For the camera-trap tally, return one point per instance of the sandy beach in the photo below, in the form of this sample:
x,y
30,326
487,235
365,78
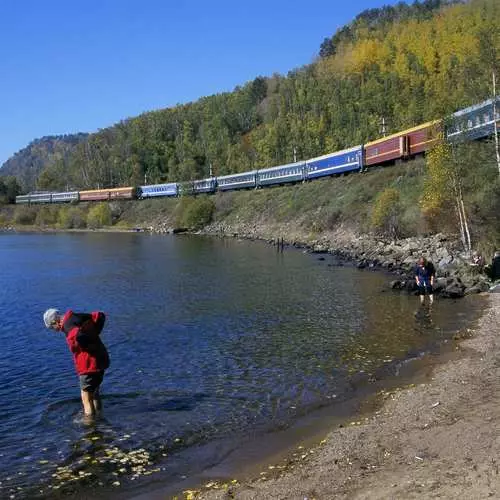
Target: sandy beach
x,y
438,438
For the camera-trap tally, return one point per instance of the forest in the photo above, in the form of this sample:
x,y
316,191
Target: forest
x,y
399,65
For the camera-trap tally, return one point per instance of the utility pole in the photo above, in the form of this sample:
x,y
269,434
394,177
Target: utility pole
x,y
383,127
210,171
294,154
497,150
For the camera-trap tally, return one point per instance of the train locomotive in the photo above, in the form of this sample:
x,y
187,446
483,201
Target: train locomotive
x,y
472,123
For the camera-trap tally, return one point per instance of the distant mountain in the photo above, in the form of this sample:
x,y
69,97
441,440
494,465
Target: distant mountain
x,y
27,164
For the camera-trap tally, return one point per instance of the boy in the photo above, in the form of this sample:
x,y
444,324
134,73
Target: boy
x,y
91,358
425,273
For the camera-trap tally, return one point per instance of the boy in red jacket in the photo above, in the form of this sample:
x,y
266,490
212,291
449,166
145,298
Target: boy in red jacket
x,y
91,358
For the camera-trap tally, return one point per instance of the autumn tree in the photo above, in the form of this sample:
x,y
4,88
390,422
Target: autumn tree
x,y
443,188
385,212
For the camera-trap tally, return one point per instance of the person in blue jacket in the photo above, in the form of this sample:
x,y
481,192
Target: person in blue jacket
x,y
425,274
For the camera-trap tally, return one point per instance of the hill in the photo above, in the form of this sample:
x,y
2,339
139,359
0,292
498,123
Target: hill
x,y
48,153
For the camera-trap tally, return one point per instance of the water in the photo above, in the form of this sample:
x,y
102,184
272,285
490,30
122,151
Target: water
x,y
210,341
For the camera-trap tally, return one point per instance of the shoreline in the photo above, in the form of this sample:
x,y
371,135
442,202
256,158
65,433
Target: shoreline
x,y
438,438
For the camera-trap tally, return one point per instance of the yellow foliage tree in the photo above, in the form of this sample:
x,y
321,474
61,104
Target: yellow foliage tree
x,y
442,187
385,211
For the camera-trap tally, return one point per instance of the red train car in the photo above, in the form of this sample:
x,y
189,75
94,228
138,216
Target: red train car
x,y
126,193
403,144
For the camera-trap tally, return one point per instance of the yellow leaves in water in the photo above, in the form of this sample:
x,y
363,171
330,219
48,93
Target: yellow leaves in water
x,y
138,462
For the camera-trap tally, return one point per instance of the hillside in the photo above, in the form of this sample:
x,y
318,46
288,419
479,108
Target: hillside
x,y
48,153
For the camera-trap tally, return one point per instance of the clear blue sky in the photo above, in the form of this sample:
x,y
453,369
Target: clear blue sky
x,y
70,66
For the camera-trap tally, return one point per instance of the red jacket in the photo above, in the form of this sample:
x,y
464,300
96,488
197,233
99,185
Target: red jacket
x,y
82,335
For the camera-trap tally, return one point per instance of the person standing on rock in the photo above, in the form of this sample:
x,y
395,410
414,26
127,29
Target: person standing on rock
x,y
425,274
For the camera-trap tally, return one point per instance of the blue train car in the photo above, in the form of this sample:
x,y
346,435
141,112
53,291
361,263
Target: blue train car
x,y
474,122
157,190
36,197
335,163
293,172
22,199
204,186
237,181
66,197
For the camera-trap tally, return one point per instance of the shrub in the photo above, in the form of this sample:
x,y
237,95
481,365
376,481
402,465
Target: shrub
x,y
46,216
99,216
385,212
72,217
25,215
194,213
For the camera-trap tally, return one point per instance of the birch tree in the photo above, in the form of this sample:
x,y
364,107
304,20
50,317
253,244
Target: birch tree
x,y
443,185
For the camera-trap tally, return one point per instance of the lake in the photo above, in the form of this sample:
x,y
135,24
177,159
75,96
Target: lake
x,y
211,341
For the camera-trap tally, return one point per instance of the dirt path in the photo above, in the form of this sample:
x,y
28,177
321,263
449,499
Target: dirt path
x,y
440,439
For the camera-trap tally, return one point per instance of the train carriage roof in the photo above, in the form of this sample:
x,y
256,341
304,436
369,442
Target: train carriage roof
x,y
403,132
335,153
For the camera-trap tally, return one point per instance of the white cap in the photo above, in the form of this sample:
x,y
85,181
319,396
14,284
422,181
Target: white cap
x,y
50,316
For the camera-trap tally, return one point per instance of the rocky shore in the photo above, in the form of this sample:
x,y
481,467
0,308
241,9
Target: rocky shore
x,y
456,276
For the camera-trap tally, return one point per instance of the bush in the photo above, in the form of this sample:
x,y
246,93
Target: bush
x,y
195,213
46,215
99,216
72,217
25,216
385,212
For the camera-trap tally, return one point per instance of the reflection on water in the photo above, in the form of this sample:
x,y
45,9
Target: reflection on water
x,y
210,340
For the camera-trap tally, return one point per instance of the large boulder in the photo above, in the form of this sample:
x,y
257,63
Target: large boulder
x,y
454,288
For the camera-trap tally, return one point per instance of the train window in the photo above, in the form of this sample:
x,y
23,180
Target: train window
x,y
469,123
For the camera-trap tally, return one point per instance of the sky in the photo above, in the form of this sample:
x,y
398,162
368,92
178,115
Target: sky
x,y
69,66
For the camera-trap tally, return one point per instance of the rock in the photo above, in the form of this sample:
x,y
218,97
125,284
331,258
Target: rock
x,y
453,290
445,262
396,284
495,288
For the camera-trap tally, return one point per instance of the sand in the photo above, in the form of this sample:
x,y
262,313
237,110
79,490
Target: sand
x,y
437,439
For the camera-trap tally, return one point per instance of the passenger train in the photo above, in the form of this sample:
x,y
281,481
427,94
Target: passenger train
x,y
472,123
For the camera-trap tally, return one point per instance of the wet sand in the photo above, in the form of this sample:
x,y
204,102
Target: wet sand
x,y
436,439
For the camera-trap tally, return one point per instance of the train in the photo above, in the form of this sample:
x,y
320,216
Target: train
x,y
472,123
